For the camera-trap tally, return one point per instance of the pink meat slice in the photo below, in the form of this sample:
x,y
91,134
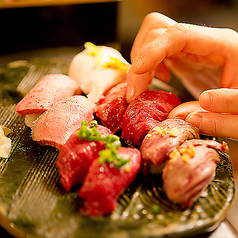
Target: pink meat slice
x,y
56,125
144,112
76,156
49,90
184,180
111,108
104,183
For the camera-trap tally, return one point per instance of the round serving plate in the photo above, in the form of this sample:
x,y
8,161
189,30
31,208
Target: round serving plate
x,y
33,203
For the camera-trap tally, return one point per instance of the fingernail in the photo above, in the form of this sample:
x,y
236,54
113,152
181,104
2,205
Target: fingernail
x,y
130,93
205,100
195,119
139,62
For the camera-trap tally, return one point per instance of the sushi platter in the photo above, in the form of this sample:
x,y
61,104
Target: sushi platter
x,y
34,204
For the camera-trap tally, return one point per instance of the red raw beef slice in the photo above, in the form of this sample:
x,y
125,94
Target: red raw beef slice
x,y
144,112
104,183
112,107
76,157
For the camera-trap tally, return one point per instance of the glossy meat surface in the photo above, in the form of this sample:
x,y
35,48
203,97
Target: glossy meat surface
x,y
56,125
76,156
104,183
163,138
186,175
49,90
112,107
145,112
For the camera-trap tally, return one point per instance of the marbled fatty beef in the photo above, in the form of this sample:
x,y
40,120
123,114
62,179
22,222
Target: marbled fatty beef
x,y
49,90
76,156
56,125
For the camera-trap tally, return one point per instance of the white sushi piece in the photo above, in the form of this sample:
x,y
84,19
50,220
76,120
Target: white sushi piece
x,y
97,69
5,144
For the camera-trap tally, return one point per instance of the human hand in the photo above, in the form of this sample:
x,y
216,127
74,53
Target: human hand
x,y
216,114
202,57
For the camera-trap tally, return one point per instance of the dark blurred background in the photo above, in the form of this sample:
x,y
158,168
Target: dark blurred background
x,y
32,28
55,26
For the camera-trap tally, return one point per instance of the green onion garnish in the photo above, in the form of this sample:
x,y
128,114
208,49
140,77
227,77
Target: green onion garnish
x,y
111,142
155,208
89,133
110,155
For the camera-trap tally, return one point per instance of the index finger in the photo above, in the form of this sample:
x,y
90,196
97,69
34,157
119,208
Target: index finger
x,y
185,38
152,21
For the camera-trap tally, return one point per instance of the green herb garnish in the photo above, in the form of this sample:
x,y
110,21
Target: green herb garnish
x,y
89,133
155,208
110,155
111,142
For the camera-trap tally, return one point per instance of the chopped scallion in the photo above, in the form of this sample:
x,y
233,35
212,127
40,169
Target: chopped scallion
x,y
155,208
111,142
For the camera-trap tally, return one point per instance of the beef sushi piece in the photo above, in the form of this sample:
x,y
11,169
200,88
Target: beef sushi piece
x,y
111,108
143,113
190,169
56,125
97,69
163,139
76,156
105,182
49,90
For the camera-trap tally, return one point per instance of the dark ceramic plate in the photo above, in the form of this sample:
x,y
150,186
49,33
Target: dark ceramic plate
x,y
33,203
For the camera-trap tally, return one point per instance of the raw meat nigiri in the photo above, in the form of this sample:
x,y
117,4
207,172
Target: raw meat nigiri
x,y
112,107
49,90
97,69
56,125
190,169
163,138
76,156
104,183
144,112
